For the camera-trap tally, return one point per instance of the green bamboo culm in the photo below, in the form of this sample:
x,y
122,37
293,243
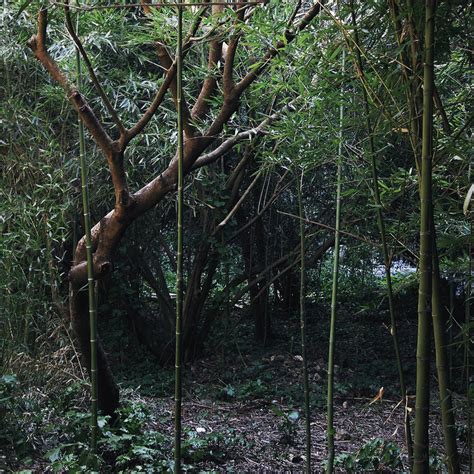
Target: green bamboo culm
x,y
179,260
421,444
442,364
383,235
335,275
90,273
307,411
467,346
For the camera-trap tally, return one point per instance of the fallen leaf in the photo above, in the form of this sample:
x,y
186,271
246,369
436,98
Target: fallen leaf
x,y
378,396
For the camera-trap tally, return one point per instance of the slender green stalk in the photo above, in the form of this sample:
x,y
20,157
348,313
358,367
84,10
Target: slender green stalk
x,y
383,237
179,260
90,273
303,324
467,348
442,365
335,274
421,444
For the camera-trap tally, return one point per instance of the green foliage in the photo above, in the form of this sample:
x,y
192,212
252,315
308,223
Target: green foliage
x,y
437,462
198,447
8,385
376,455
59,431
287,425
12,440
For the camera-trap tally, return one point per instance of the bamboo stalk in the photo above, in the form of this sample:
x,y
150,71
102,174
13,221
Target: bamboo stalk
x,y
179,260
90,274
303,324
335,275
383,238
442,365
421,444
467,345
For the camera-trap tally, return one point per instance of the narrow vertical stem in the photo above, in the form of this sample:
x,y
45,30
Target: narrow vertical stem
x,y
303,324
440,338
421,444
383,237
335,275
90,273
179,260
467,348
451,322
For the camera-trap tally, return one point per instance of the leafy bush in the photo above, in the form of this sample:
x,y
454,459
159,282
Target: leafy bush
x,y
13,441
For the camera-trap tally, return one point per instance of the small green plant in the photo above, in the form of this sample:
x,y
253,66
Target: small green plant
x,y
376,455
73,457
288,424
227,393
199,446
437,462
253,389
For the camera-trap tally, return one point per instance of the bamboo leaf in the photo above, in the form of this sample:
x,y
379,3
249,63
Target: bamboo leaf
x,y
468,199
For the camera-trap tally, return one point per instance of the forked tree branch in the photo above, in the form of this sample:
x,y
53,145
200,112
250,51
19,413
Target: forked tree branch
x,y
169,78
209,86
95,81
37,44
108,232
250,134
259,67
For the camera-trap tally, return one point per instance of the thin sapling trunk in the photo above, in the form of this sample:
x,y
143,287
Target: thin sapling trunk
x,y
303,324
335,275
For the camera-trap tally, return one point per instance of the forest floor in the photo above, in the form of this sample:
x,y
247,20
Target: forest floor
x,y
242,408
245,404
